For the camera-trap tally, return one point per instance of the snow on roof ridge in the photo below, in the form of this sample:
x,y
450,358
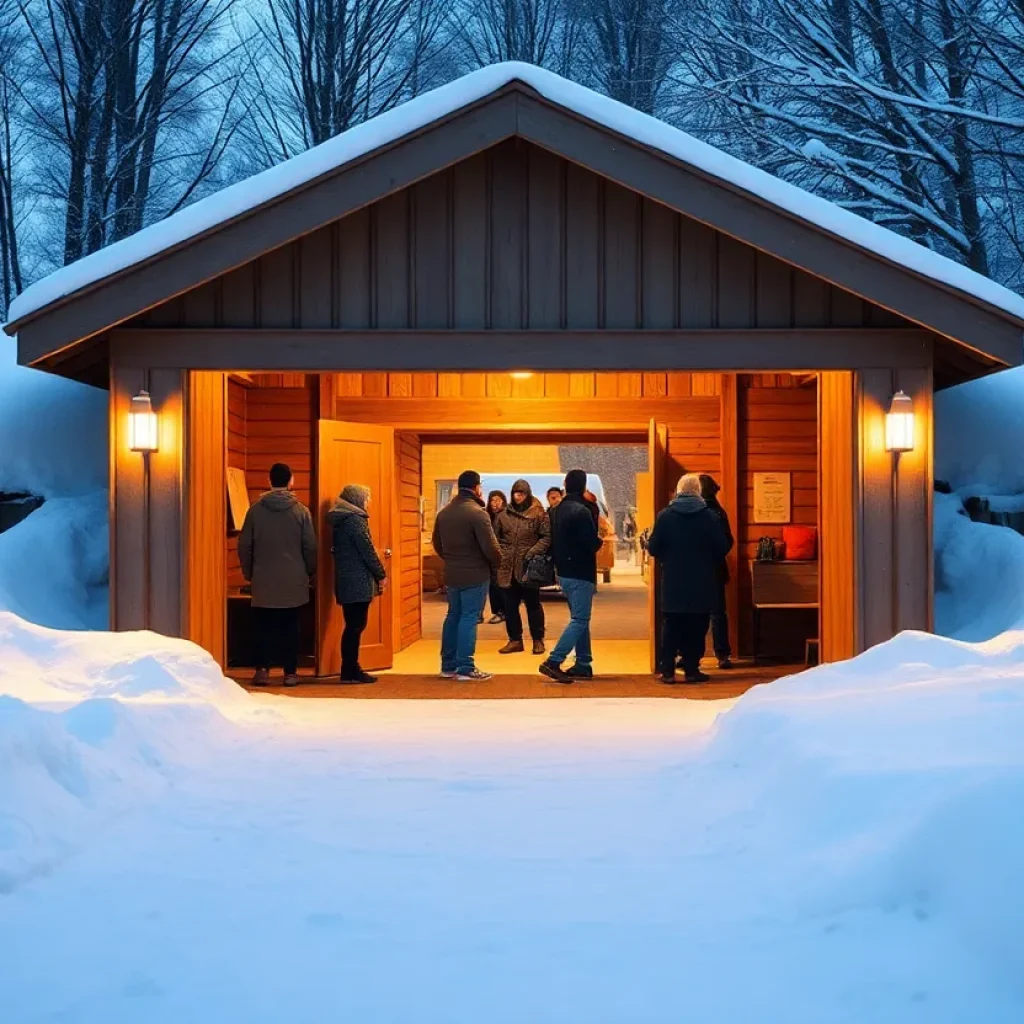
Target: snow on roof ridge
x,y
236,199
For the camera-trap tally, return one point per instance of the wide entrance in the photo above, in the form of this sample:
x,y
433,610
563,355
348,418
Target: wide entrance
x,y
407,436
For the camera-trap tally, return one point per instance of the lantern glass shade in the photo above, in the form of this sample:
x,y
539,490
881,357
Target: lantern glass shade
x,y
521,374
899,424
142,426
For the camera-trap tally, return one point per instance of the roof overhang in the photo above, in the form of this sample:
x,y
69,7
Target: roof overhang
x,y
981,336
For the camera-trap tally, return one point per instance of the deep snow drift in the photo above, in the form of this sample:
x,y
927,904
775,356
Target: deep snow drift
x,y
841,846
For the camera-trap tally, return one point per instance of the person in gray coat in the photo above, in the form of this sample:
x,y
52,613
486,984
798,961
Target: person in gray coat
x,y
277,552
359,575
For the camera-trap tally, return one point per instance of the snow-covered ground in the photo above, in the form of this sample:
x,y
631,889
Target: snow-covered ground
x,y
843,846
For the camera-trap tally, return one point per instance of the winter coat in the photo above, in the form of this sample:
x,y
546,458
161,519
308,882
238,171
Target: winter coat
x,y
464,541
277,550
357,567
723,519
574,540
689,543
521,535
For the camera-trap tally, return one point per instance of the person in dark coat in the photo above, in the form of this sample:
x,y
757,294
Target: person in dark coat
x,y
523,531
277,552
575,543
719,618
496,504
689,543
359,575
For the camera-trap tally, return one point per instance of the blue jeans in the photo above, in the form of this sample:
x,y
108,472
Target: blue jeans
x,y
580,595
458,635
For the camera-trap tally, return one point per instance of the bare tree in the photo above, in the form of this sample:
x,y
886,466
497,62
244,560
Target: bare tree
x,y
134,100
542,32
326,65
10,154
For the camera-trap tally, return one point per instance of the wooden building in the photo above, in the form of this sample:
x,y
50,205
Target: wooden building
x,y
396,285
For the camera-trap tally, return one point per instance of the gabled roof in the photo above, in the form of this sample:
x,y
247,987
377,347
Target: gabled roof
x,y
921,285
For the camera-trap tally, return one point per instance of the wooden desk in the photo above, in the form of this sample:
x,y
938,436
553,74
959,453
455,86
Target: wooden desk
x,y
782,586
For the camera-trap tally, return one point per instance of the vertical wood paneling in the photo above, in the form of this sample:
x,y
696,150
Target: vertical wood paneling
x,y
206,517
432,259
499,385
471,243
544,252
655,385
449,385
354,277
375,385
847,309
348,385
811,303
621,257
582,385
400,385
736,298
199,306
680,385
556,385
424,385
316,279
390,234
698,274
507,201
838,528
582,251
774,306
629,385
528,387
238,297
474,385
166,466
606,385
275,285
729,481
659,278
408,571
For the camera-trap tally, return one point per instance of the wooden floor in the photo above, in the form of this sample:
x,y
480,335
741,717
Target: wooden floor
x,y
723,686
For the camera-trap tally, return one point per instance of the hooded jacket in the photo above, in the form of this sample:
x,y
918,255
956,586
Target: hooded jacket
x,y
689,543
522,533
464,541
357,567
277,550
709,491
574,539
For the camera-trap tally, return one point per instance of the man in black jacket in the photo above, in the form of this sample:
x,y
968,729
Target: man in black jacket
x,y
689,543
574,544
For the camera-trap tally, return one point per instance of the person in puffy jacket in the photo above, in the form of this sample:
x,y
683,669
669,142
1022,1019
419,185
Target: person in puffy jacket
x,y
523,531
496,504
359,575
277,553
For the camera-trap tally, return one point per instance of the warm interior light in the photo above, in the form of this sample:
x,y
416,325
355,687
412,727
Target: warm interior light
x,y
142,430
899,424
521,374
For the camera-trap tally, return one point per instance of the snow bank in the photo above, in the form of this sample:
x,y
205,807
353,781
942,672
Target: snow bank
x,y
386,128
53,432
54,565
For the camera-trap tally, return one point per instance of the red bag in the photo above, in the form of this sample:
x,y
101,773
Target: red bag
x,y
801,543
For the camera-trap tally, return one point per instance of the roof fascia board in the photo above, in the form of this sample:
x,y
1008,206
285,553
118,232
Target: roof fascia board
x,y
749,220
756,350
401,164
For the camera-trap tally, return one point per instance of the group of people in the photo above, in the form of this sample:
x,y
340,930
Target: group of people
x,y
504,549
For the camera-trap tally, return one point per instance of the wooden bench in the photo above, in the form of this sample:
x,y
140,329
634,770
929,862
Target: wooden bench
x,y
782,586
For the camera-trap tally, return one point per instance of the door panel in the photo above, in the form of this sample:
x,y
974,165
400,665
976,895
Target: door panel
x,y
657,474
355,453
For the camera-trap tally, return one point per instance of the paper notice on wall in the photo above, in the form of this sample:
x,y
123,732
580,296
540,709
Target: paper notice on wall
x,y
772,498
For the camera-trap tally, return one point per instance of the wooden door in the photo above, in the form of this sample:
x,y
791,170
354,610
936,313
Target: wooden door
x,y
658,495
355,453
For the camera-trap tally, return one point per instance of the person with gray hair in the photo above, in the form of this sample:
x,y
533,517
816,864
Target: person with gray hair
x,y
689,544
359,575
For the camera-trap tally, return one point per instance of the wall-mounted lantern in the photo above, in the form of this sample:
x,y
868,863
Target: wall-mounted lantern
x,y
899,424
142,424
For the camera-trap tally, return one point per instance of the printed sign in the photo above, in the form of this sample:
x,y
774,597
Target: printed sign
x,y
772,498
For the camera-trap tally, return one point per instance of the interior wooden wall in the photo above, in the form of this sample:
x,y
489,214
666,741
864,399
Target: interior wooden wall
x,y
409,582
281,422
777,432
237,454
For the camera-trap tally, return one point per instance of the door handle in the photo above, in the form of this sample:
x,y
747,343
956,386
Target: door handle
x,y
387,552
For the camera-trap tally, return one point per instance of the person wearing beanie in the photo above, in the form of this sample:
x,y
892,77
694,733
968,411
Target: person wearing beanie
x,y
575,544
523,531
277,553
496,504
359,575
464,540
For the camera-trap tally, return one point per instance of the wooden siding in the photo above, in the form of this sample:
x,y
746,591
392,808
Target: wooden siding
x,y
281,422
777,432
409,575
516,237
206,526
237,452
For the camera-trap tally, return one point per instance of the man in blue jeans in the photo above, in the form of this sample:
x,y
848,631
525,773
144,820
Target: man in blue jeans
x,y
575,543
465,542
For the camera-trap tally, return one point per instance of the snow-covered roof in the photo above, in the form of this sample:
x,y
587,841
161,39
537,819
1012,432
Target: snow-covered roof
x,y
236,200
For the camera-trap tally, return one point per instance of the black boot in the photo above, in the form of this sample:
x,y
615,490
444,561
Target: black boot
x,y
356,675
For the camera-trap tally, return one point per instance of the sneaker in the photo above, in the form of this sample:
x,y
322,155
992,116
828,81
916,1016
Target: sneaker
x,y
697,677
513,647
261,677
556,672
359,676
725,663
580,671
448,675
291,679
495,619
538,647
476,676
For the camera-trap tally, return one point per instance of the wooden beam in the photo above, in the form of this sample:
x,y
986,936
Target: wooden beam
x,y
730,482
792,350
229,245
755,221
